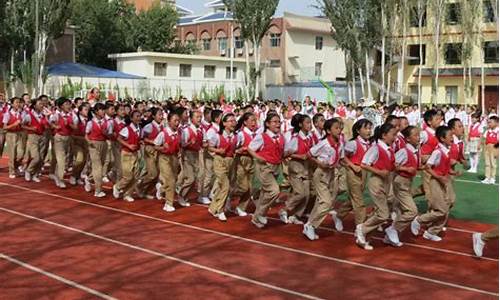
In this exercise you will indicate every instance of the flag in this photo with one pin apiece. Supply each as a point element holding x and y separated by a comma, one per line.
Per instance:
<point>330,94</point>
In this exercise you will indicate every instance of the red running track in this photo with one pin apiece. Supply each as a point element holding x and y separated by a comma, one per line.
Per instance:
<point>138,251</point>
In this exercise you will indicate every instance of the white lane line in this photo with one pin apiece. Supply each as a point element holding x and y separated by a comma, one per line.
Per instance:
<point>169,257</point>
<point>468,181</point>
<point>339,260</point>
<point>56,277</point>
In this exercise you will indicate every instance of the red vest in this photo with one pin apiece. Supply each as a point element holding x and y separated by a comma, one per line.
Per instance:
<point>430,145</point>
<point>336,147</point>
<point>197,137</point>
<point>205,127</point>
<point>80,131</point>
<point>172,144</point>
<point>399,143</point>
<point>491,137</point>
<point>474,130</point>
<point>117,127</point>
<point>12,120</point>
<point>444,166</point>
<point>411,162</point>
<point>64,125</point>
<point>154,132</point>
<point>341,111</point>
<point>247,139</point>
<point>4,109</point>
<point>39,126</point>
<point>304,145</point>
<point>97,132</point>
<point>272,151</point>
<point>384,162</point>
<point>457,151</point>
<point>229,145</point>
<point>133,139</point>
<point>357,156</point>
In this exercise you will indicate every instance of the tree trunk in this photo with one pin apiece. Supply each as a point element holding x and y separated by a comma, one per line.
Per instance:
<point>402,85</point>
<point>482,88</point>
<point>41,53</point>
<point>437,36</point>
<point>257,67</point>
<point>389,76</point>
<point>360,71</point>
<point>247,73</point>
<point>420,21</point>
<point>382,64</point>
<point>353,82</point>
<point>368,79</point>
<point>11,75</point>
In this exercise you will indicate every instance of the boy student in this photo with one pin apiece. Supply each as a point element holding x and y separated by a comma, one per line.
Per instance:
<point>490,152</point>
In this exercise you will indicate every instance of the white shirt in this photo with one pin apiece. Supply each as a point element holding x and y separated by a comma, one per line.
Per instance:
<point>146,131</point>
<point>241,138</point>
<point>371,156</point>
<point>424,135</point>
<point>292,142</point>
<point>258,142</point>
<point>435,157</point>
<point>351,146</point>
<point>214,140</point>
<point>124,132</point>
<point>185,134</point>
<point>88,128</point>
<point>325,153</point>
<point>401,156</point>
<point>160,138</point>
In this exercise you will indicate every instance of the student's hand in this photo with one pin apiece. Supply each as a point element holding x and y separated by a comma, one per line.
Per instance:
<point>220,151</point>
<point>303,157</point>
<point>443,180</point>
<point>356,168</point>
<point>383,173</point>
<point>17,123</point>
<point>132,147</point>
<point>411,170</point>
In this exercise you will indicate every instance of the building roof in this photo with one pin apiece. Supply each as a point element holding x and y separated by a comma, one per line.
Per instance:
<point>298,22</point>
<point>81,70</point>
<point>172,55</point>
<point>456,72</point>
<point>183,11</point>
<point>210,17</point>
<point>215,4</point>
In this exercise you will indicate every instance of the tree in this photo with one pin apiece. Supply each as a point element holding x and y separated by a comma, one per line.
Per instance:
<point>438,9</point>
<point>254,17</point>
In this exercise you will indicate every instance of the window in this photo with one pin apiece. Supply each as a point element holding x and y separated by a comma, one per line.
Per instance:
<point>317,69</point>
<point>413,88</point>
<point>222,43</point>
<point>453,53</point>
<point>206,44</point>
<point>490,52</point>
<point>191,42</point>
<point>451,94</point>
<point>161,69</point>
<point>274,63</point>
<point>238,42</point>
<point>414,16</point>
<point>414,53</point>
<point>488,12</point>
<point>319,42</point>
<point>275,39</point>
<point>209,72</point>
<point>228,72</point>
<point>453,13</point>
<point>184,70</point>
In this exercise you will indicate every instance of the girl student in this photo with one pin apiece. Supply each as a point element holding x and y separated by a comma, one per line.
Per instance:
<point>267,148</point>
<point>223,145</point>
<point>130,139</point>
<point>12,125</point>
<point>245,166</point>
<point>35,123</point>
<point>474,141</point>
<point>439,166</point>
<point>379,161</point>
<point>407,162</point>
<point>354,151</point>
<point>149,133</point>
<point>208,158</point>
<point>191,143</point>
<point>490,152</point>
<point>167,143</point>
<point>297,147</point>
<point>80,146</point>
<point>116,147</point>
<point>327,154</point>
<point>97,131</point>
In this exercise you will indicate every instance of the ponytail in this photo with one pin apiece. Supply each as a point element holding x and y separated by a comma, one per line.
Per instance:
<point>380,131</point>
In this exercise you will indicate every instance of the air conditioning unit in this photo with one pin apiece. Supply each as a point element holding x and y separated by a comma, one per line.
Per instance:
<point>250,51</point>
<point>240,51</point>
<point>223,52</point>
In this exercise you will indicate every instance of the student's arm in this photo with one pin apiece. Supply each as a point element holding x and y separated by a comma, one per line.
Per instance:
<point>442,179</point>
<point>321,164</point>
<point>349,163</point>
<point>125,144</point>
<point>255,155</point>
<point>381,173</point>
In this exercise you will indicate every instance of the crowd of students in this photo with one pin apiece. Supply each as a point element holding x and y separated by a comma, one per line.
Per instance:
<point>167,150</point>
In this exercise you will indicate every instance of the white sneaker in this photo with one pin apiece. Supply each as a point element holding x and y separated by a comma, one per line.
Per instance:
<point>485,181</point>
<point>262,220</point>
<point>36,179</point>
<point>99,194</point>
<point>168,208</point>
<point>360,236</point>
<point>27,176</point>
<point>365,246</point>
<point>295,220</point>
<point>241,212</point>
<point>12,176</point>
<point>204,200</point>
<point>380,228</point>
<point>61,184</point>
<point>222,217</point>
<point>128,199</point>
<point>72,180</point>
<point>149,197</point>
<point>116,192</point>
<point>87,186</point>
<point>477,244</point>
<point>283,216</point>
<point>339,226</point>
<point>393,215</point>
<point>158,191</point>
<point>52,176</point>
<point>309,232</point>
<point>492,180</point>
<point>80,182</point>
<point>392,237</point>
<point>182,202</point>
<point>257,224</point>
<point>431,237</point>
<point>105,179</point>
<point>415,227</point>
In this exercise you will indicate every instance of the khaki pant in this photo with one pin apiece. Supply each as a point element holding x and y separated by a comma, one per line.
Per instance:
<point>355,188</point>
<point>298,176</point>
<point>33,154</point>
<point>222,168</point>
<point>129,164</point>
<point>61,148</point>
<point>490,161</point>
<point>97,151</point>
<point>44,145</point>
<point>151,176</point>
<point>439,206</point>
<point>244,174</point>
<point>404,204</point>
<point>169,167</point>
<point>270,189</point>
<point>24,140</point>
<point>208,175</point>
<point>52,156</point>
<point>80,153</point>
<point>490,234</point>
<point>190,172</point>
<point>324,199</point>
<point>14,151</point>
<point>379,191</point>
<point>284,168</point>
<point>2,141</point>
<point>340,182</point>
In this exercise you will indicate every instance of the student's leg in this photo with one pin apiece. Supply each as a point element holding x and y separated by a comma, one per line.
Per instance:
<point>2,141</point>
<point>117,162</point>
<point>438,208</point>
<point>221,171</point>
<point>355,202</point>
<point>208,175</point>
<point>487,162</point>
<point>244,173</point>
<point>324,199</point>
<point>152,169</point>
<point>407,210</point>
<point>300,185</point>
<point>33,152</point>
<point>490,234</point>
<point>60,148</point>
<point>189,171</point>
<point>170,166</point>
<point>98,153</point>
<point>129,166</point>
<point>80,150</point>
<point>269,189</point>
<point>12,141</point>
<point>378,188</point>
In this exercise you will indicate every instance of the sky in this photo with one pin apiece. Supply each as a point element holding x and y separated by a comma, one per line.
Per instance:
<point>302,7</point>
